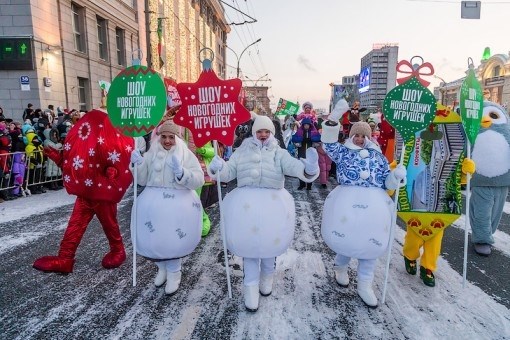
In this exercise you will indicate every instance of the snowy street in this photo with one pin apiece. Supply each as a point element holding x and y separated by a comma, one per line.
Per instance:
<point>306,303</point>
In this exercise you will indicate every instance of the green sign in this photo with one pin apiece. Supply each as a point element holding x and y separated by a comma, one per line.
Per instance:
<point>471,105</point>
<point>16,53</point>
<point>409,108</point>
<point>286,108</point>
<point>136,101</point>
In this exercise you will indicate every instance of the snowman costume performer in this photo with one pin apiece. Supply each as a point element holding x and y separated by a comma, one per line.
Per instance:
<point>357,214</point>
<point>94,162</point>
<point>169,212</point>
<point>259,215</point>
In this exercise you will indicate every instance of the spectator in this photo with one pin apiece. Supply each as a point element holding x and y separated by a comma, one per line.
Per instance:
<point>27,113</point>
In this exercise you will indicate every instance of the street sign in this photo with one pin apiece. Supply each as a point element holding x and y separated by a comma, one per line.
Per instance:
<point>25,83</point>
<point>16,53</point>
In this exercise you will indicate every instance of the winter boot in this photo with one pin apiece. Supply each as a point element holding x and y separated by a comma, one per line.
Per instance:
<point>366,293</point>
<point>410,266</point>
<point>482,249</point>
<point>341,275</point>
<point>160,278</point>
<point>251,298</point>
<point>266,284</point>
<point>173,280</point>
<point>206,224</point>
<point>427,276</point>
<point>107,215</point>
<point>64,262</point>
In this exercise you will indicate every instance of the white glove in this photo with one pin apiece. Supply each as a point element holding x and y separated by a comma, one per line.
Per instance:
<point>311,162</point>
<point>340,108</point>
<point>400,172</point>
<point>136,157</point>
<point>216,164</point>
<point>174,163</point>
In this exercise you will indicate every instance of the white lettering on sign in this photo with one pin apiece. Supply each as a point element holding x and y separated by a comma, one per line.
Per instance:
<point>411,95</point>
<point>209,94</point>
<point>135,88</point>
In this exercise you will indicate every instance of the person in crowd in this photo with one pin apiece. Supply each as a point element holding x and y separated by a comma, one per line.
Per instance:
<point>307,112</point>
<point>18,167</point>
<point>94,161</point>
<point>27,113</point>
<point>169,212</point>
<point>35,155</point>
<point>491,180</point>
<point>359,208</point>
<point>53,171</point>
<point>2,114</point>
<point>260,166</point>
<point>304,138</point>
<point>375,131</point>
<point>5,161</point>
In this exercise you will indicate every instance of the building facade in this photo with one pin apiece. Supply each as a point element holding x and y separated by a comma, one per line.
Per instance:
<point>378,75</point>
<point>74,45</point>
<point>64,48</point>
<point>181,33</point>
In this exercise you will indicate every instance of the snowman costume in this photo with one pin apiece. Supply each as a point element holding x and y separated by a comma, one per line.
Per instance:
<point>169,212</point>
<point>357,214</point>
<point>259,215</point>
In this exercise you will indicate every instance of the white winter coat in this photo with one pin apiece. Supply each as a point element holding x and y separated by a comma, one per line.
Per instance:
<point>154,172</point>
<point>262,167</point>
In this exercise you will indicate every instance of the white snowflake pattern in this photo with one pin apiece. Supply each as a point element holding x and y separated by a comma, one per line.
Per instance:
<point>128,148</point>
<point>101,125</point>
<point>67,178</point>
<point>77,162</point>
<point>100,140</point>
<point>67,146</point>
<point>88,182</point>
<point>109,187</point>
<point>99,185</point>
<point>84,131</point>
<point>114,156</point>
<point>92,152</point>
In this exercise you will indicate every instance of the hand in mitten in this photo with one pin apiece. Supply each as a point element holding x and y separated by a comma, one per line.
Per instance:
<point>340,108</point>
<point>54,155</point>
<point>216,164</point>
<point>311,162</point>
<point>136,157</point>
<point>468,166</point>
<point>175,164</point>
<point>400,174</point>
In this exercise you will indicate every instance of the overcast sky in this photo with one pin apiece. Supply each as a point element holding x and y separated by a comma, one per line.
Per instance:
<point>308,44</point>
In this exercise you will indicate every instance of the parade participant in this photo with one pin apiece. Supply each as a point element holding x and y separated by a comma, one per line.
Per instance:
<point>357,214</point>
<point>259,215</point>
<point>430,249</point>
<point>94,162</point>
<point>304,138</point>
<point>308,112</point>
<point>490,182</point>
<point>168,212</point>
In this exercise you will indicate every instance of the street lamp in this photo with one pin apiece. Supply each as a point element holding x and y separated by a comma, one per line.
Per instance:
<point>239,57</point>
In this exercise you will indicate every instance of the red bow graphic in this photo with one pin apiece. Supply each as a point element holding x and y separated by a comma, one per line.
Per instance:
<point>414,73</point>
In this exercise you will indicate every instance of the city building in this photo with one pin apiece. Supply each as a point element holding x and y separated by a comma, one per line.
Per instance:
<point>70,46</point>
<point>378,75</point>
<point>181,33</point>
<point>256,99</point>
<point>56,52</point>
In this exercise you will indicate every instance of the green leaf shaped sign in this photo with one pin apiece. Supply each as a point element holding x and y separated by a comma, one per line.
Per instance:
<point>136,101</point>
<point>409,108</point>
<point>471,105</point>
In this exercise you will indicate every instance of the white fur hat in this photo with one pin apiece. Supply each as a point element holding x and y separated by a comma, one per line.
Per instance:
<point>260,123</point>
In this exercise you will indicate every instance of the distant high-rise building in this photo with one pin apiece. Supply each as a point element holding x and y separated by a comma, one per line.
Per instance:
<point>378,75</point>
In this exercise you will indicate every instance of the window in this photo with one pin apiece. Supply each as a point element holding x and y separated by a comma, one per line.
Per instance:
<point>78,27</point>
<point>83,85</point>
<point>102,40</point>
<point>121,48</point>
<point>496,71</point>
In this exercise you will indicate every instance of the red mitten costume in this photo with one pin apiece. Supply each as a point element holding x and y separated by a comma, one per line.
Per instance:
<point>95,164</point>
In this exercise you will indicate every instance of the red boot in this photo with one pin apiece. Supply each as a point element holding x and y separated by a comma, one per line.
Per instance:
<point>64,262</point>
<point>107,215</point>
